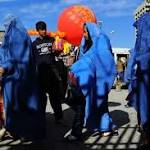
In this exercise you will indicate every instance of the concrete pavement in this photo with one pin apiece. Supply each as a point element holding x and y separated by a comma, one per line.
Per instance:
<point>124,118</point>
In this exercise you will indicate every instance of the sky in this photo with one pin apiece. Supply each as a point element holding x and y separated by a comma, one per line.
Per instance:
<point>117,16</point>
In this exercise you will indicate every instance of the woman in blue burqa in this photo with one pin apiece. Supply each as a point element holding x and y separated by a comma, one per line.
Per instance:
<point>138,75</point>
<point>92,76</point>
<point>24,117</point>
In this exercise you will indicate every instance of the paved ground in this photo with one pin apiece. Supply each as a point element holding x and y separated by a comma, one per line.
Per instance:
<point>125,118</point>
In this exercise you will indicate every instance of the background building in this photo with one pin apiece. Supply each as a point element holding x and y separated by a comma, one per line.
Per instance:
<point>143,8</point>
<point>121,52</point>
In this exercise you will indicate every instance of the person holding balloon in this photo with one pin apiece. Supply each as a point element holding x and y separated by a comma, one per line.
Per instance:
<point>92,77</point>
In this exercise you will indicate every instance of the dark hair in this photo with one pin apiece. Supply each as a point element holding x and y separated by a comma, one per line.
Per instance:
<point>40,25</point>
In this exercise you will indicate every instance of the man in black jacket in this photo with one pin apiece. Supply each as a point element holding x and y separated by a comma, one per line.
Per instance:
<point>48,71</point>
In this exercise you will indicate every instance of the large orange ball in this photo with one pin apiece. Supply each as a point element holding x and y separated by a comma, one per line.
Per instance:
<point>71,22</point>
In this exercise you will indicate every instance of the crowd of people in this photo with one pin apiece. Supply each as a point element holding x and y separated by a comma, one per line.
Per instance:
<point>33,71</point>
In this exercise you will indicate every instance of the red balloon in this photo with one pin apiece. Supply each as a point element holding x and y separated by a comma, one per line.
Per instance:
<point>71,22</point>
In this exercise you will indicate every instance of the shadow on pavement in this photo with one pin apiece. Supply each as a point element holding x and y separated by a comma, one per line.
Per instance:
<point>55,133</point>
<point>120,117</point>
<point>54,139</point>
<point>113,104</point>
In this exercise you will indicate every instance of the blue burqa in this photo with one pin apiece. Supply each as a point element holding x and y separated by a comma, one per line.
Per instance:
<point>140,77</point>
<point>23,112</point>
<point>95,73</point>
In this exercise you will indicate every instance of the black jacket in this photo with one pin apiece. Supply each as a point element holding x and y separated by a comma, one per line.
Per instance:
<point>42,50</point>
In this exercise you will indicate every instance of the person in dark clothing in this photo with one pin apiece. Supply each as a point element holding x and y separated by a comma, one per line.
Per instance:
<point>47,69</point>
<point>77,103</point>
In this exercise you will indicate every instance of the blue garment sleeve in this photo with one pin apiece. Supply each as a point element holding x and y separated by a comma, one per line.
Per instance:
<point>130,72</point>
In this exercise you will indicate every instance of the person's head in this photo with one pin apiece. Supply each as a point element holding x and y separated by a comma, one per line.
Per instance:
<point>88,41</point>
<point>41,28</point>
<point>85,32</point>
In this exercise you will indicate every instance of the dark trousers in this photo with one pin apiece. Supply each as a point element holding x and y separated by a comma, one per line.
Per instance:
<point>63,72</point>
<point>51,84</point>
<point>54,101</point>
<point>78,121</point>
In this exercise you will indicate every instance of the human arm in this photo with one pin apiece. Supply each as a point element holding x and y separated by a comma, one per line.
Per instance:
<point>6,63</point>
<point>1,71</point>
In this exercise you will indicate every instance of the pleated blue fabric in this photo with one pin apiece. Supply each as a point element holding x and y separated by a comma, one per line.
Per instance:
<point>23,110</point>
<point>138,72</point>
<point>95,73</point>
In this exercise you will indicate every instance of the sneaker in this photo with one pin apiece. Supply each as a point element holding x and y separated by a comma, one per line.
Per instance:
<point>109,133</point>
<point>72,138</point>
